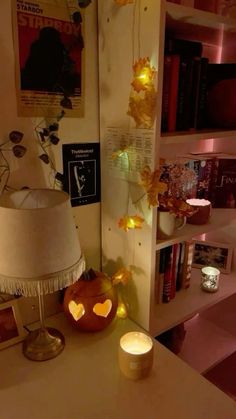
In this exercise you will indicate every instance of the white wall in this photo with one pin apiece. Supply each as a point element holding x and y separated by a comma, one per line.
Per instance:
<point>30,170</point>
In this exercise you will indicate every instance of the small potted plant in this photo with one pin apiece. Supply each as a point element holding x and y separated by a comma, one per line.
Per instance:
<point>173,208</point>
<point>177,206</point>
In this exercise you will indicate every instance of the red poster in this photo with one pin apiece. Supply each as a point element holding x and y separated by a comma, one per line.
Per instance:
<point>49,49</point>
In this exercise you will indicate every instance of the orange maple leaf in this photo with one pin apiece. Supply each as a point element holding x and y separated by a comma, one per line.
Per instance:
<point>130,222</point>
<point>177,206</point>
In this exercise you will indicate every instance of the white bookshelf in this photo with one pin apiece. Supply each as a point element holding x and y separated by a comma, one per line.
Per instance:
<point>206,343</point>
<point>136,250</point>
<point>212,334</point>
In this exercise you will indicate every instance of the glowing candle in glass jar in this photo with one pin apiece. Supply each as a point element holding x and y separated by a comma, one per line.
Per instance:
<point>210,278</point>
<point>135,355</point>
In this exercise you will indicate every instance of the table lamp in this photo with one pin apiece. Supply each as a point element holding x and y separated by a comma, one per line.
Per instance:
<point>39,254</point>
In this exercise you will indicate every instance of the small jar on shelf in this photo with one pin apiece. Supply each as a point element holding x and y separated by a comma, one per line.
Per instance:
<point>210,279</point>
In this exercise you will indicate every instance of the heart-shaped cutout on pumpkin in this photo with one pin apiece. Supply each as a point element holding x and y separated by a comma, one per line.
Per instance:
<point>103,309</point>
<point>76,310</point>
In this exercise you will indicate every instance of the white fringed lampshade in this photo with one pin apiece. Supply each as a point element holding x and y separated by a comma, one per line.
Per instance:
<point>39,245</point>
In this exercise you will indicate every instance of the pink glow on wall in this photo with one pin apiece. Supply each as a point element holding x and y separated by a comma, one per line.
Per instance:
<point>220,45</point>
<point>207,146</point>
<point>202,237</point>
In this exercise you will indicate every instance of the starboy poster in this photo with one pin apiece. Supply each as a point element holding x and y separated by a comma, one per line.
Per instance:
<point>81,167</point>
<point>49,50</point>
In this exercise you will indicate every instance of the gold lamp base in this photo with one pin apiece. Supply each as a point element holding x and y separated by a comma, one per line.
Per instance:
<point>43,344</point>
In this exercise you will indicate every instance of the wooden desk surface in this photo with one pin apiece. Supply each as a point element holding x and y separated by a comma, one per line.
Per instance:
<point>84,382</point>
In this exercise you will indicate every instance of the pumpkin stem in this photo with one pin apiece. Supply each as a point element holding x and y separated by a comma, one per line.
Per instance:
<point>88,275</point>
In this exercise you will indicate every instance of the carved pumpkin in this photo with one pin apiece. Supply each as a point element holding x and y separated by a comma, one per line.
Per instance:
<point>91,302</point>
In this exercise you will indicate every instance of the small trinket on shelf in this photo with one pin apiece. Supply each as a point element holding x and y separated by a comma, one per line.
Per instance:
<point>210,279</point>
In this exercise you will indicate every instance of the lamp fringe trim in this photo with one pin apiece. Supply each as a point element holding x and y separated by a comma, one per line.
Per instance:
<point>30,287</point>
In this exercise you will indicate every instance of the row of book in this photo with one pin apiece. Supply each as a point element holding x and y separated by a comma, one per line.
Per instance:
<point>188,81</point>
<point>173,270</point>
<point>184,85</point>
<point>216,178</point>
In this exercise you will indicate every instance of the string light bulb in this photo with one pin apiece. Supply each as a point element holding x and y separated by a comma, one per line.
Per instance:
<point>143,75</point>
<point>122,312</point>
<point>130,222</point>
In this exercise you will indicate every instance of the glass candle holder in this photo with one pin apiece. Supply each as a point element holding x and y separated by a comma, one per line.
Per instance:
<point>203,211</point>
<point>210,279</point>
<point>135,355</point>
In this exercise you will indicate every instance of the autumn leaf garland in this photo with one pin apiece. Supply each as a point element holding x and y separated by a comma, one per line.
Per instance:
<point>143,96</point>
<point>153,187</point>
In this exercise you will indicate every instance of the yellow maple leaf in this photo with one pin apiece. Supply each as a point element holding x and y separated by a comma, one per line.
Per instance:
<point>142,107</point>
<point>143,74</point>
<point>130,222</point>
<point>152,185</point>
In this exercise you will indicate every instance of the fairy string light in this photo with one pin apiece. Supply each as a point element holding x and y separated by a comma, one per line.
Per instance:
<point>142,109</point>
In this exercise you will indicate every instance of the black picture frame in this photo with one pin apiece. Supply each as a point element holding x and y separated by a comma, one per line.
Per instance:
<point>218,255</point>
<point>81,172</point>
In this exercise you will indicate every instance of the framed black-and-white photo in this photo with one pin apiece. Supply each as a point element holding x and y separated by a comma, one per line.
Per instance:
<point>214,254</point>
<point>81,166</point>
<point>11,327</point>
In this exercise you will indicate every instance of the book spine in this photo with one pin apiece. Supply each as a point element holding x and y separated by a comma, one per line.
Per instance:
<point>161,272</point>
<point>175,257</point>
<point>203,170</point>
<point>166,93</point>
<point>187,265</point>
<point>173,93</point>
<point>213,183</point>
<point>183,47</point>
<point>157,275</point>
<point>202,95</point>
<point>194,93</point>
<point>208,6</point>
<point>180,266</point>
<point>188,3</point>
<point>224,190</point>
<point>184,89</point>
<point>207,177</point>
<point>167,275</point>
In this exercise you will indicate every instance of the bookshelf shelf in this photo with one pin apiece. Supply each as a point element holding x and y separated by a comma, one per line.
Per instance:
<point>189,302</point>
<point>214,343</point>
<point>186,18</point>
<point>218,220</point>
<point>191,136</point>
